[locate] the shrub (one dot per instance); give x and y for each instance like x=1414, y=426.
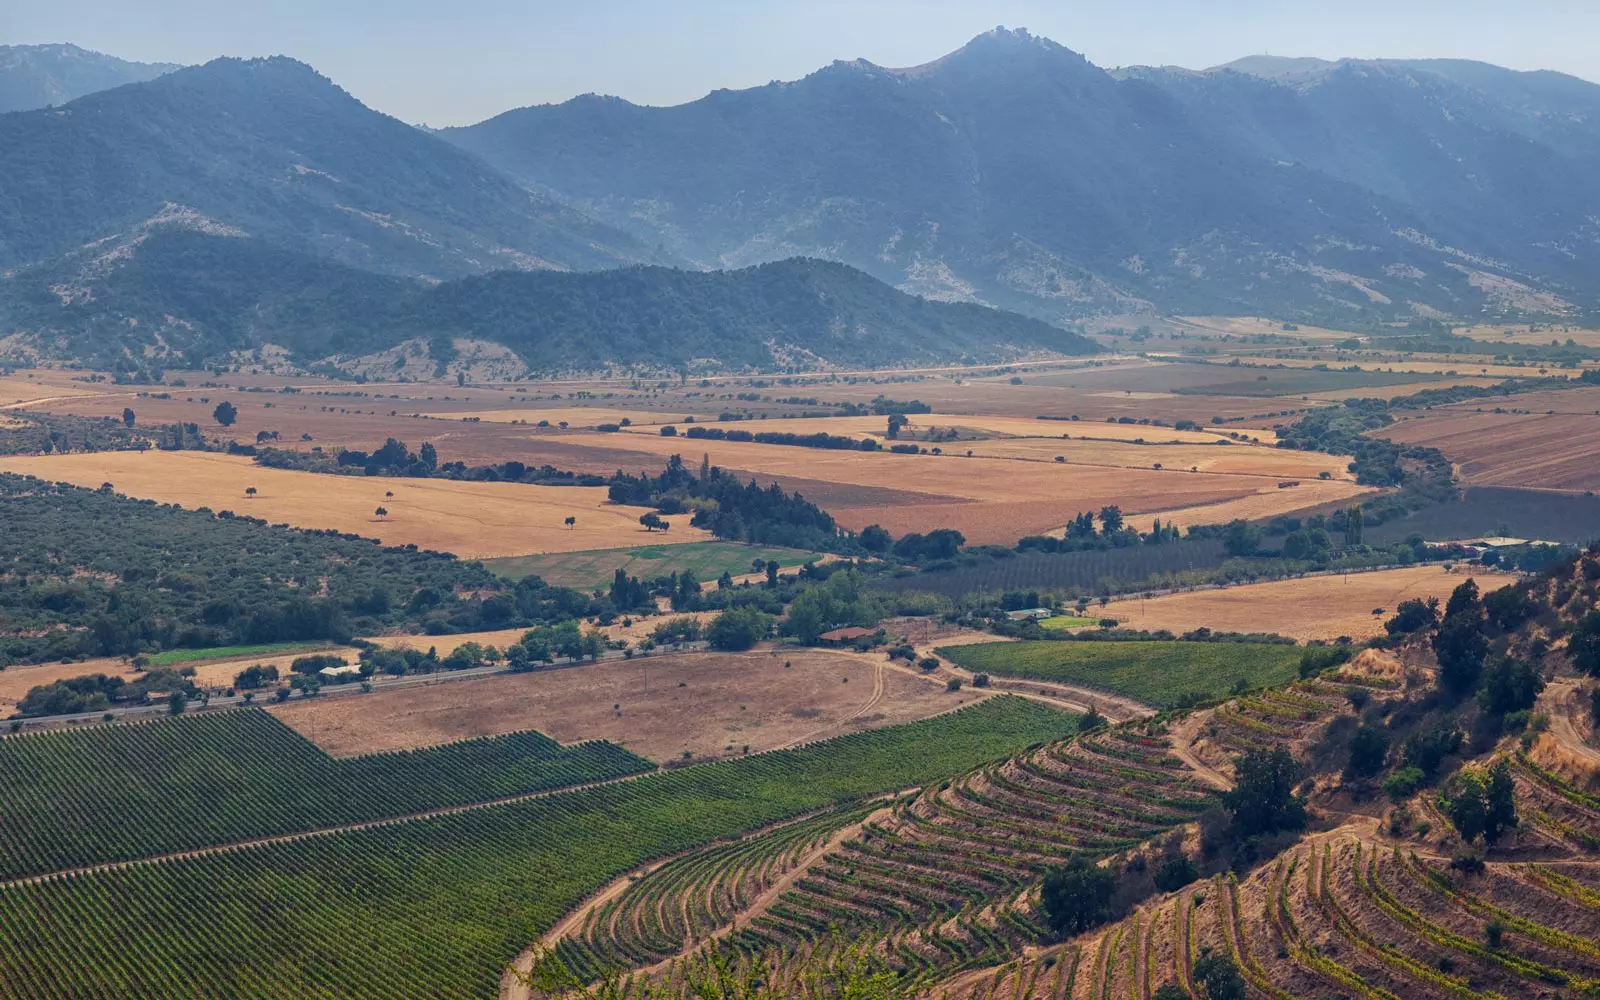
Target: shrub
x=1175, y=873
x=928, y=663
x=1403, y=783
x=980, y=680
x=953, y=684
x=738, y=629
x=1077, y=896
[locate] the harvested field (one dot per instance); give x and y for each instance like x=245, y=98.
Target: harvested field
x=586, y=417
x=17, y=681
x=996, y=500
x=1245, y=460
x=473, y=520
x=28, y=386
x=1255, y=326
x=1320, y=607
x=702, y=703
x=970, y=425
x=1531, y=451
x=1376, y=363
x=1523, y=334
x=1268, y=502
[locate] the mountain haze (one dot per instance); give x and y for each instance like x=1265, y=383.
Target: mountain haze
x=270, y=148
x=1015, y=172
x=38, y=76
x=178, y=295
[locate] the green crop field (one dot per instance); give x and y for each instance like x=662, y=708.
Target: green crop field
x=1061, y=623
x=436, y=908
x=174, y=656
x=1156, y=673
x=594, y=569
x=78, y=797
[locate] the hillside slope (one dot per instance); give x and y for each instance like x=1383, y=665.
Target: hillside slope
x=182, y=293
x=1015, y=172
x=38, y=76
x=270, y=148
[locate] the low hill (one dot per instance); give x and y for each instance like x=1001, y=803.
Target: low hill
x=38, y=76
x=269, y=148
x=179, y=293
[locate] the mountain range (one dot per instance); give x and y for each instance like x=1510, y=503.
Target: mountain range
x=1015, y=172
x=38, y=76
x=1012, y=173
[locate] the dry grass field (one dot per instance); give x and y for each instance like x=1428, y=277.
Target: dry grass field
x=1321, y=607
x=573, y=416
x=705, y=704
x=969, y=425
x=1265, y=503
x=29, y=386
x=1245, y=460
x=1523, y=334
x=1534, y=451
x=1253, y=326
x=473, y=520
x=990, y=500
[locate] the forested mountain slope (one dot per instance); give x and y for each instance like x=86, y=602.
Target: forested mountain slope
x=1015, y=172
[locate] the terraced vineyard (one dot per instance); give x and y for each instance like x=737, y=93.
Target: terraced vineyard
x=434, y=908
x=1348, y=915
x=81, y=797
x=944, y=876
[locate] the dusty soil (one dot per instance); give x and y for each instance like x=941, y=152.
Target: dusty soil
x=1322, y=607
x=1559, y=451
x=660, y=706
x=473, y=520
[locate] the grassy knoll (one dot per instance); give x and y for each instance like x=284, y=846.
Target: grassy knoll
x=173, y=656
x=436, y=908
x=1156, y=673
x=593, y=569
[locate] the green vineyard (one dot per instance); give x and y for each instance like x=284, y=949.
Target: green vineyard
x=81, y=797
x=1156, y=673
x=436, y=907
x=939, y=879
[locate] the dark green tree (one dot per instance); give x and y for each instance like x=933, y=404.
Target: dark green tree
x=1262, y=799
x=1413, y=615
x=225, y=413
x=1583, y=645
x=1468, y=811
x=1217, y=978
x=1077, y=896
x=1369, y=747
x=177, y=703
x=1241, y=538
x=1353, y=526
x=1509, y=685
x=1500, y=803
x=1110, y=519
x=128, y=416
x=738, y=629
x=1460, y=645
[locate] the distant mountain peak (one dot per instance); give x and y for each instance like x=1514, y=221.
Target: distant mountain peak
x=39, y=76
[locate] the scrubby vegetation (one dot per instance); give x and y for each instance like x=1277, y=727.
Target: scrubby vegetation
x=89, y=573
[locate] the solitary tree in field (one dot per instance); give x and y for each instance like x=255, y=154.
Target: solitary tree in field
x=571, y=521
x=127, y=416
x=390, y=494
x=225, y=413
x=249, y=491
x=382, y=513
x=652, y=521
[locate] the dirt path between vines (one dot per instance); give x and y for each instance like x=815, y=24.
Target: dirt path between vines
x=1183, y=738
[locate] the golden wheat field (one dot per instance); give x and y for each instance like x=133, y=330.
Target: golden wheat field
x=1318, y=607
x=473, y=520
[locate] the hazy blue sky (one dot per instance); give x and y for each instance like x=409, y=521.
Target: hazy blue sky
x=448, y=62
